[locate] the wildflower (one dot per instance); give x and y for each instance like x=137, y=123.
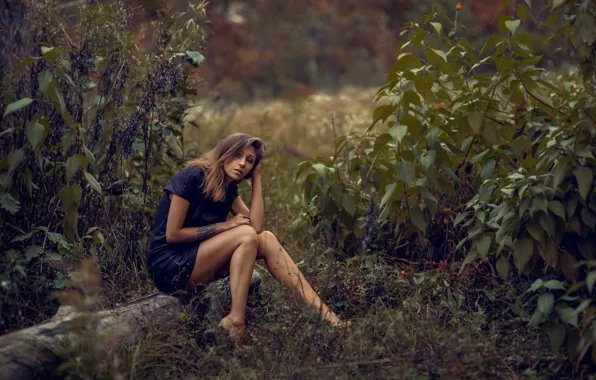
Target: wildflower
x=458, y=6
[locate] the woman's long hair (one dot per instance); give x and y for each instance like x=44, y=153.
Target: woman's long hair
x=213, y=161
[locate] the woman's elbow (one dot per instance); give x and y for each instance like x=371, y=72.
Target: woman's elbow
x=171, y=237
x=258, y=228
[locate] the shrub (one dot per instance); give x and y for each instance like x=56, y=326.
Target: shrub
x=89, y=124
x=504, y=159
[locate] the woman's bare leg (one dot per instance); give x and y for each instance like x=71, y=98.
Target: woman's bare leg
x=238, y=247
x=283, y=268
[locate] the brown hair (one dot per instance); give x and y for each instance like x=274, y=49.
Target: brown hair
x=213, y=161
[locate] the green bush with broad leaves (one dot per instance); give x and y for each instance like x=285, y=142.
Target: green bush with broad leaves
x=493, y=149
x=89, y=125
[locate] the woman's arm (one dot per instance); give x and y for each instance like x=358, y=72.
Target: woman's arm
x=176, y=216
x=256, y=213
x=257, y=208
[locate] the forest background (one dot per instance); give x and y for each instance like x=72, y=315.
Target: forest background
x=452, y=219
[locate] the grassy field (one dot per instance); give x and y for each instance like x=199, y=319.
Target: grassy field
x=408, y=322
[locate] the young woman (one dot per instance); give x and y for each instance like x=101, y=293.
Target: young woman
x=193, y=244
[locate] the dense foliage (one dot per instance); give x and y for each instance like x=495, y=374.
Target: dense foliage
x=83, y=123
x=495, y=166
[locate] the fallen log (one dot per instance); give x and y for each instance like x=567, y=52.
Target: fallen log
x=34, y=351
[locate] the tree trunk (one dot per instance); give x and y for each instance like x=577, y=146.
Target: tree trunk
x=34, y=351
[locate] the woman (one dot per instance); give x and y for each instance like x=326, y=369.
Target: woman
x=192, y=241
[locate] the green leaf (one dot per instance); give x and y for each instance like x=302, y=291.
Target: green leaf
x=512, y=25
x=529, y=2
x=483, y=245
x=431, y=202
x=437, y=26
x=13, y=107
x=475, y=120
x=584, y=180
x=382, y=113
x=92, y=182
x=503, y=268
x=428, y=158
x=8, y=203
x=492, y=40
x=449, y=172
x=406, y=60
x=590, y=279
x=558, y=3
x=71, y=165
x=33, y=251
x=36, y=133
x=23, y=237
x=470, y=257
x=521, y=145
x=418, y=219
x=569, y=316
x=557, y=208
x=477, y=158
x=548, y=224
x=49, y=53
x=398, y=132
x=440, y=53
x=554, y=285
x=66, y=197
x=535, y=285
x=406, y=171
x=522, y=253
x=545, y=303
x=381, y=141
x=560, y=175
x=45, y=79
x=91, y=159
x=58, y=239
x=556, y=335
x=14, y=159
x=535, y=230
x=389, y=190
x=349, y=203
x=459, y=218
x=57, y=99
x=488, y=168
x=195, y=58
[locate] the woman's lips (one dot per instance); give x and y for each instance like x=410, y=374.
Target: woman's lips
x=239, y=172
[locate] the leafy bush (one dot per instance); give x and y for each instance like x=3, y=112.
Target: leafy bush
x=503, y=162
x=88, y=125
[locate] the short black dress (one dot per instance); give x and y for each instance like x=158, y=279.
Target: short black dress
x=170, y=265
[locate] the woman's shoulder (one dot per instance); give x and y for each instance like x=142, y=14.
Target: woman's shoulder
x=190, y=175
x=191, y=171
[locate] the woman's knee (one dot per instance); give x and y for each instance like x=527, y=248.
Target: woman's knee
x=247, y=235
x=266, y=239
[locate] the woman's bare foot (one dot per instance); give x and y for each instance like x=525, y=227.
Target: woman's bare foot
x=235, y=328
x=335, y=321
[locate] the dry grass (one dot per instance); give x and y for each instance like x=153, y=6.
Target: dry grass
x=302, y=124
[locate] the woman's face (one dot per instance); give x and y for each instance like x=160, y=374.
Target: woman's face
x=240, y=164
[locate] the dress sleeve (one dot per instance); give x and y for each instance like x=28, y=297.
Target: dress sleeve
x=235, y=193
x=186, y=183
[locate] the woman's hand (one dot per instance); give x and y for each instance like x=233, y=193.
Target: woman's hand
x=237, y=220
x=257, y=170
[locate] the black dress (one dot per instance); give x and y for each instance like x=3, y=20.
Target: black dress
x=170, y=264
